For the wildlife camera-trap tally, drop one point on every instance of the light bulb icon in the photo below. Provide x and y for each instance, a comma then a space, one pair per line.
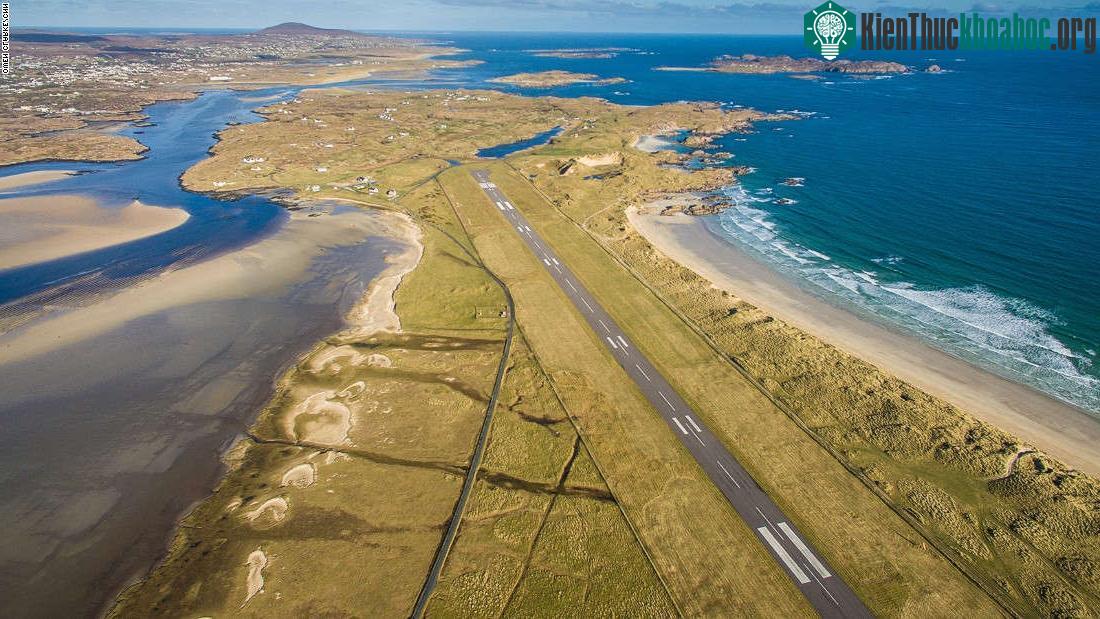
829, 28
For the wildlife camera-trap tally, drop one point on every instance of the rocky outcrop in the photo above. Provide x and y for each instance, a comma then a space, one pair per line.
750, 63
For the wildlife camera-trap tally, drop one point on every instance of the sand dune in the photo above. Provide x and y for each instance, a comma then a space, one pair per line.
40, 228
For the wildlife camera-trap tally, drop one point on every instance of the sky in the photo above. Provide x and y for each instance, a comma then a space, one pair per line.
710, 16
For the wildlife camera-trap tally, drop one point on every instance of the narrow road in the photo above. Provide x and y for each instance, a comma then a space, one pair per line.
449, 535
829, 595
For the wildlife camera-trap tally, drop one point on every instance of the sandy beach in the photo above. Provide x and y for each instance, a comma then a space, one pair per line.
1060, 429
40, 228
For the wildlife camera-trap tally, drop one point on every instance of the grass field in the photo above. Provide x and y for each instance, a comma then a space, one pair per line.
542, 535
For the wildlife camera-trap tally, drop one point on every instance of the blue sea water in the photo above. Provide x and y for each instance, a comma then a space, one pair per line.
960, 206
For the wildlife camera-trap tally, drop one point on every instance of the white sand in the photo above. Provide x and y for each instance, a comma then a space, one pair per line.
274, 508
256, 563
36, 229
377, 311
300, 476
1061, 430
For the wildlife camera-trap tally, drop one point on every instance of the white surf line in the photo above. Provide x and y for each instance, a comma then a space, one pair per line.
723, 467
801, 546
612, 342
661, 393
604, 325
679, 425
693, 424
799, 575
622, 341
643, 372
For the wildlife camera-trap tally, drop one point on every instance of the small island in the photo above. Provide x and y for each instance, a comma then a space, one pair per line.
753, 64
596, 52
549, 79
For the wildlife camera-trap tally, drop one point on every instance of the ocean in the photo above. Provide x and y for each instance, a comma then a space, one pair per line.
959, 207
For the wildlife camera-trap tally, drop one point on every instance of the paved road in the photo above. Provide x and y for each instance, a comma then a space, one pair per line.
828, 594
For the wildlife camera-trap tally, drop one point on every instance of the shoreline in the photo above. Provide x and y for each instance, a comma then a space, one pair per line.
1062, 430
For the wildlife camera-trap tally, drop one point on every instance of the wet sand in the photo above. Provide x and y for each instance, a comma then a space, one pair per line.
1058, 428
116, 413
41, 228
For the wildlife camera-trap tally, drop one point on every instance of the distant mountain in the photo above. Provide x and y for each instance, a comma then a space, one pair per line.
293, 27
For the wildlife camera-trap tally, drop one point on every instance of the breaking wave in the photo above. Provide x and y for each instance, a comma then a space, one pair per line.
1007, 335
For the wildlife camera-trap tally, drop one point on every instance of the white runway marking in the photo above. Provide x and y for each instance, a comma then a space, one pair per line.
661, 393
801, 546
799, 575
555, 260
571, 285
546, 261
720, 465
693, 424
679, 425
643, 372
604, 325
586, 304
612, 342
623, 342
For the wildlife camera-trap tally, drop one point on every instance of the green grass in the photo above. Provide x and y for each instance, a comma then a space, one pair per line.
706, 554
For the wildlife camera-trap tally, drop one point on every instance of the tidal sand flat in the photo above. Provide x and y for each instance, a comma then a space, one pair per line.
25, 179
40, 228
1062, 430
115, 413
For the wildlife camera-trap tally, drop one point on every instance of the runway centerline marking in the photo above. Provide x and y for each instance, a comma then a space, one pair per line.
643, 372
662, 394
723, 467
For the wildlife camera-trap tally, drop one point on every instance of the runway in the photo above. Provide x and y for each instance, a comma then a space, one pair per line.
827, 592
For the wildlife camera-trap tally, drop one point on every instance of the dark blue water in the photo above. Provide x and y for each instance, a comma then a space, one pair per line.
959, 206
503, 150
180, 137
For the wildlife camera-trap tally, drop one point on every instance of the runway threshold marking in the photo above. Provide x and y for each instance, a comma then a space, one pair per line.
781, 552
805, 550
693, 424
679, 425
622, 341
612, 342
